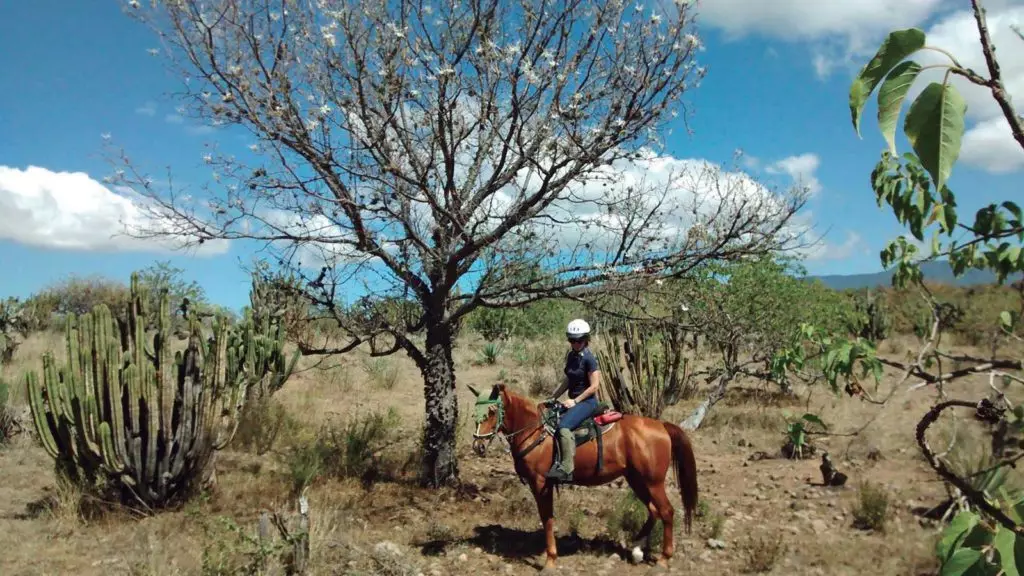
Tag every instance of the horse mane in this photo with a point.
(529, 412)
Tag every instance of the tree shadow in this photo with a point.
(517, 545)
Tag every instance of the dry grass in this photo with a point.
(770, 517)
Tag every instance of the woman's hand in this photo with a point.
(569, 403)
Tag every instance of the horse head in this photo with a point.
(489, 415)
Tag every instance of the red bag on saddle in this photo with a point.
(607, 417)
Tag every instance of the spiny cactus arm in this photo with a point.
(110, 453)
(165, 386)
(149, 409)
(43, 419)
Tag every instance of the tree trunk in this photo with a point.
(694, 420)
(442, 409)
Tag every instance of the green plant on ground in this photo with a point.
(490, 352)
(131, 415)
(797, 430)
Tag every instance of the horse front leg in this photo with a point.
(545, 506)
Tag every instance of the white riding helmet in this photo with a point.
(577, 329)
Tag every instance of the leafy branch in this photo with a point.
(915, 187)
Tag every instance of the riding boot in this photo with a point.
(563, 467)
(568, 451)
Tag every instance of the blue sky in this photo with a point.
(777, 85)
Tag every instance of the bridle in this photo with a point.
(483, 408)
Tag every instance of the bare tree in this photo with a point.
(459, 153)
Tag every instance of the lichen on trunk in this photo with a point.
(440, 466)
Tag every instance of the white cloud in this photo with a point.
(990, 145)
(71, 211)
(801, 169)
(835, 29)
(812, 19)
(987, 143)
(147, 109)
(825, 250)
(845, 34)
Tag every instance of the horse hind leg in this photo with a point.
(643, 536)
(663, 506)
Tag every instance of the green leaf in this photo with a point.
(960, 525)
(1006, 319)
(890, 99)
(960, 562)
(1004, 543)
(935, 126)
(814, 419)
(895, 48)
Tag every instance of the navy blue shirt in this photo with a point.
(578, 366)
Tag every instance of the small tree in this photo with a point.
(461, 154)
(748, 312)
(985, 536)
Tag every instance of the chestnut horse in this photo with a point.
(638, 448)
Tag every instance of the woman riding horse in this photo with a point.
(582, 380)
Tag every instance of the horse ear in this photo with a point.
(473, 390)
(496, 390)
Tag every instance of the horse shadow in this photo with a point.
(515, 545)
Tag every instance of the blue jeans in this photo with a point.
(575, 416)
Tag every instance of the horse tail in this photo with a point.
(686, 470)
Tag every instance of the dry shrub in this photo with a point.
(355, 449)
(872, 510)
(763, 552)
(627, 517)
(262, 424)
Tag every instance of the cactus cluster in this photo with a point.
(140, 418)
(13, 328)
(655, 378)
(872, 315)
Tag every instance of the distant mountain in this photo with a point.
(937, 271)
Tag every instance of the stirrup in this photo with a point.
(558, 473)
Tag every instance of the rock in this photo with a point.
(463, 557)
(716, 544)
(819, 526)
(387, 547)
(637, 555)
(706, 556)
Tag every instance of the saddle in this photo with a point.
(592, 428)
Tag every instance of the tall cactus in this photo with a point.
(873, 316)
(654, 380)
(140, 417)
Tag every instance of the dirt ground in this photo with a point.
(755, 514)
